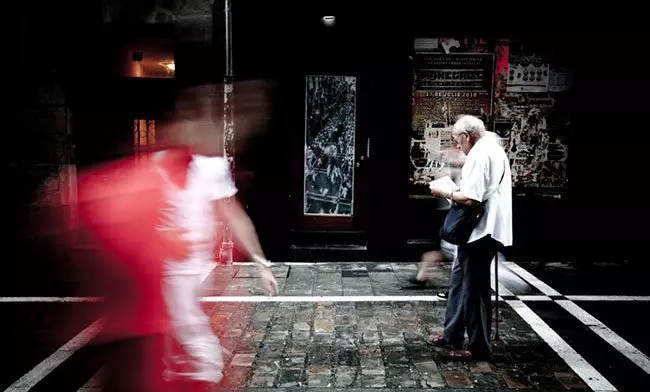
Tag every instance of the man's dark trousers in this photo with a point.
(469, 305)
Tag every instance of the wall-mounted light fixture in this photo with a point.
(329, 20)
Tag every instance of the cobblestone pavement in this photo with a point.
(363, 327)
(356, 344)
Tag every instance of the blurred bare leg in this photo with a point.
(428, 261)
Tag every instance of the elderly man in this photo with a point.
(485, 178)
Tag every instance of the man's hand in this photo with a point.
(269, 284)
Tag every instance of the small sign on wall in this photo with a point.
(526, 74)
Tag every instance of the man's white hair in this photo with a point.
(469, 124)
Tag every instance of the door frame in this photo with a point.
(300, 220)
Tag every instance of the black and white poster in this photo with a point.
(447, 85)
(330, 126)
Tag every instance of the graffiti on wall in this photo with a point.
(531, 115)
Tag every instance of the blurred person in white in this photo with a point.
(485, 177)
(444, 251)
(193, 201)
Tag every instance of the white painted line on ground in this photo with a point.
(94, 384)
(49, 299)
(576, 362)
(621, 298)
(26, 382)
(287, 263)
(333, 298)
(534, 298)
(620, 344)
(532, 279)
(503, 290)
(361, 298)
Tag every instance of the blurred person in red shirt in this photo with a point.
(154, 219)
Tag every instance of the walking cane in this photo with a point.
(496, 289)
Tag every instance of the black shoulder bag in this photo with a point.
(461, 220)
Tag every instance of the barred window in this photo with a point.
(144, 134)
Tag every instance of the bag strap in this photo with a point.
(500, 181)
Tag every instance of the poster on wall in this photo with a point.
(531, 116)
(446, 86)
(528, 74)
(330, 126)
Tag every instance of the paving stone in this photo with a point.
(516, 381)
(235, 377)
(546, 383)
(262, 316)
(379, 267)
(294, 361)
(430, 376)
(323, 338)
(328, 284)
(370, 337)
(291, 378)
(371, 381)
(301, 326)
(378, 371)
(535, 369)
(245, 360)
(396, 358)
(321, 326)
(457, 379)
(297, 346)
(481, 367)
(300, 335)
(229, 344)
(247, 272)
(322, 357)
(248, 345)
(404, 266)
(400, 377)
(422, 354)
(490, 382)
(369, 350)
(233, 333)
(277, 336)
(319, 376)
(328, 268)
(354, 274)
(262, 379)
(371, 362)
(271, 352)
(280, 271)
(357, 287)
(345, 376)
(353, 266)
(570, 381)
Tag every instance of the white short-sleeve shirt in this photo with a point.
(192, 209)
(481, 179)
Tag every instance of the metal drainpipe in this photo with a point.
(228, 127)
